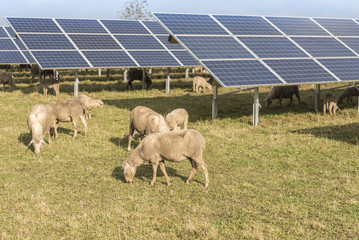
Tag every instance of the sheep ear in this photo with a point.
(32, 140)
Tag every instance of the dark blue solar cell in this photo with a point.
(60, 59)
(19, 44)
(300, 71)
(155, 27)
(190, 24)
(94, 41)
(3, 33)
(208, 47)
(29, 57)
(139, 42)
(247, 25)
(353, 43)
(297, 26)
(11, 57)
(38, 25)
(154, 58)
(323, 47)
(340, 27)
(7, 44)
(10, 31)
(122, 26)
(46, 41)
(109, 59)
(235, 73)
(81, 26)
(346, 69)
(185, 58)
(164, 40)
(272, 47)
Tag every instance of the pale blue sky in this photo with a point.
(107, 9)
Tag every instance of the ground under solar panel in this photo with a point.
(258, 50)
(96, 42)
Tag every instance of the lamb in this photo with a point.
(280, 92)
(39, 122)
(136, 74)
(89, 103)
(145, 121)
(200, 82)
(6, 78)
(330, 103)
(173, 146)
(177, 117)
(48, 83)
(67, 111)
(348, 93)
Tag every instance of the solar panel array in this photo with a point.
(258, 50)
(93, 43)
(12, 51)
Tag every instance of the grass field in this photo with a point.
(295, 176)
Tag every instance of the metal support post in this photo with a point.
(57, 79)
(316, 100)
(150, 71)
(187, 71)
(256, 106)
(168, 79)
(143, 78)
(108, 74)
(214, 102)
(125, 75)
(99, 72)
(76, 85)
(192, 70)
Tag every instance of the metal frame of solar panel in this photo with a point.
(58, 43)
(11, 50)
(287, 50)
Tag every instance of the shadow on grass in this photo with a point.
(25, 138)
(123, 142)
(344, 133)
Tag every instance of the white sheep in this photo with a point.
(89, 104)
(39, 122)
(176, 118)
(145, 121)
(330, 103)
(172, 146)
(200, 82)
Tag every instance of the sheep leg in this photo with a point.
(193, 171)
(45, 91)
(48, 137)
(75, 127)
(83, 120)
(163, 169)
(291, 100)
(55, 130)
(154, 167)
(324, 109)
(194, 87)
(130, 136)
(280, 101)
(204, 167)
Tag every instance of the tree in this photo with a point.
(135, 10)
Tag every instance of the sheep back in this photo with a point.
(177, 117)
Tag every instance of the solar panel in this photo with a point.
(60, 59)
(139, 42)
(124, 27)
(7, 44)
(345, 69)
(353, 43)
(185, 58)
(209, 47)
(149, 58)
(272, 47)
(43, 25)
(94, 41)
(247, 25)
(11, 32)
(300, 71)
(237, 73)
(109, 59)
(81, 26)
(323, 47)
(297, 26)
(340, 27)
(155, 27)
(11, 57)
(3, 33)
(46, 41)
(19, 44)
(164, 40)
(29, 57)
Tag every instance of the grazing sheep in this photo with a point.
(136, 74)
(280, 92)
(330, 103)
(200, 82)
(6, 78)
(348, 93)
(172, 146)
(37, 72)
(177, 117)
(89, 104)
(48, 83)
(39, 122)
(67, 111)
(145, 121)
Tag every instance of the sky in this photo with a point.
(108, 9)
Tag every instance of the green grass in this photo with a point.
(295, 176)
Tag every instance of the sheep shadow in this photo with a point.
(145, 174)
(344, 133)
(25, 138)
(122, 142)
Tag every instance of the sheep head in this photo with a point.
(128, 171)
(37, 144)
